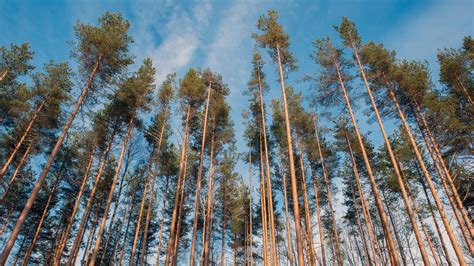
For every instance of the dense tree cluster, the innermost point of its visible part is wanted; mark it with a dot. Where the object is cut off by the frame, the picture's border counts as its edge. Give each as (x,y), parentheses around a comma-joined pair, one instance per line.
(122,171)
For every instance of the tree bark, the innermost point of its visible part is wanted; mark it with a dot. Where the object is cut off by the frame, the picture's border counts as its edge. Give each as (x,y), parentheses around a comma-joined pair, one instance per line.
(378,202)
(18,168)
(163,212)
(207,221)
(466,93)
(294,191)
(251,210)
(359,226)
(112,189)
(37,187)
(287,216)
(263,198)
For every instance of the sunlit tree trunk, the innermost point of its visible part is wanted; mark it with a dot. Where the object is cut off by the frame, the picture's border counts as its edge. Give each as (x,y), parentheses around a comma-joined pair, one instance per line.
(210,192)
(263,199)
(90,237)
(223,233)
(17,170)
(251,211)
(294,191)
(378,202)
(198,180)
(361,231)
(77,241)
(128,212)
(40,224)
(122,249)
(163,212)
(464,90)
(318,215)
(39,183)
(287,216)
(112,189)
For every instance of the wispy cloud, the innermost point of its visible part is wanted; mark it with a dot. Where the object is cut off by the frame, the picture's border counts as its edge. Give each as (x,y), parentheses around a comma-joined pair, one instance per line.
(169,34)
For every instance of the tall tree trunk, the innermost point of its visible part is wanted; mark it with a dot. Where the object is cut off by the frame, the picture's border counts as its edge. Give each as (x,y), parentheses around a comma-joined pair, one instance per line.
(20,249)
(77,241)
(7,221)
(128,212)
(40,224)
(142,207)
(267,172)
(90,238)
(427,176)
(37,187)
(17,170)
(454,190)
(23,137)
(294,191)
(251,210)
(359,226)
(365,211)
(328,190)
(318,215)
(152,191)
(391,154)
(112,189)
(70,220)
(4,74)
(122,249)
(223,233)
(287,216)
(210,193)
(178,188)
(198,180)
(163,212)
(263,199)
(466,93)
(378,202)
(309,224)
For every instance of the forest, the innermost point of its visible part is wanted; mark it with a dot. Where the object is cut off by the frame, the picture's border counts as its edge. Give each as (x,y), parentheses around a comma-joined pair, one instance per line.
(103,164)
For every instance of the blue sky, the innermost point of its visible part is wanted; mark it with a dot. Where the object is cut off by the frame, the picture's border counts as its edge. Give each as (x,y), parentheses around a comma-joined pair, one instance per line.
(216,34)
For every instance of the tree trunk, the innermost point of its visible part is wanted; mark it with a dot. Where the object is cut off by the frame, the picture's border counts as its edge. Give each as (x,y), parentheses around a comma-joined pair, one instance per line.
(398,171)
(294,191)
(318,213)
(3,75)
(70,221)
(365,211)
(287,216)
(198,184)
(466,93)
(309,224)
(128,212)
(40,224)
(427,176)
(223,234)
(207,221)
(263,206)
(77,241)
(23,137)
(328,189)
(142,206)
(378,202)
(112,189)
(163,212)
(7,221)
(454,190)
(177,192)
(152,191)
(18,168)
(267,172)
(251,210)
(122,249)
(36,189)
(91,236)
(359,226)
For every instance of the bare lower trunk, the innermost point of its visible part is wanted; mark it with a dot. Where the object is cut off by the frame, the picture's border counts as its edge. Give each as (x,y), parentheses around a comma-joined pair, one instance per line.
(128,212)
(90,238)
(39,183)
(318,214)
(251,211)
(466,93)
(122,249)
(294,191)
(223,236)
(163,212)
(378,202)
(287,216)
(207,221)
(263,206)
(17,170)
(359,226)
(111,192)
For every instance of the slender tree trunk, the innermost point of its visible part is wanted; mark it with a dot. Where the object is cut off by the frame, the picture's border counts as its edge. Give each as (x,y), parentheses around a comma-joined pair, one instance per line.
(287,216)
(391,154)
(427,176)
(40,224)
(23,241)
(142,207)
(435,220)
(77,241)
(152,191)
(223,233)
(7,221)
(178,188)
(423,226)
(365,211)
(23,137)
(294,191)
(128,212)
(263,198)
(3,75)
(73,253)
(378,202)
(251,210)
(36,189)
(70,220)
(267,172)
(198,184)
(309,224)
(90,238)
(122,249)
(328,189)
(112,189)
(207,221)
(163,212)
(359,226)
(466,217)
(464,90)
(318,214)
(17,170)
